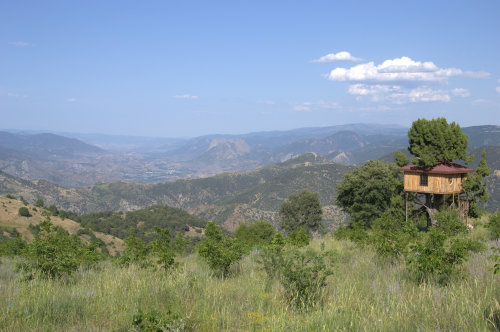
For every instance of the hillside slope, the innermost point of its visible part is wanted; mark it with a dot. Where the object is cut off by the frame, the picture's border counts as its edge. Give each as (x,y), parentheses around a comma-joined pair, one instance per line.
(10,218)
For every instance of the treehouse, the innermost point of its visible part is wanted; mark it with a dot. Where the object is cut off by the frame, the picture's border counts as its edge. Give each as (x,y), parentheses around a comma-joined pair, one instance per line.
(445,178)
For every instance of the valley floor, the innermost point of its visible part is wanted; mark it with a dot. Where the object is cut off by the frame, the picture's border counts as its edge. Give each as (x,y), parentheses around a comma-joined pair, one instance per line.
(363,294)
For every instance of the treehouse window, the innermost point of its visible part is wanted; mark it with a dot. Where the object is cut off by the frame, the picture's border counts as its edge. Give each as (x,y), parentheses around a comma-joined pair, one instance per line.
(424,180)
(450,180)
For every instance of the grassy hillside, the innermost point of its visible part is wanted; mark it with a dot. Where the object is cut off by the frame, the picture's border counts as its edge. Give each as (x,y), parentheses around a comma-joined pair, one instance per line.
(10,219)
(363,294)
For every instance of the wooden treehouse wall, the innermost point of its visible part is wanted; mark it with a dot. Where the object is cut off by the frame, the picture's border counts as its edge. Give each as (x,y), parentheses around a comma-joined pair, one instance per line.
(436,183)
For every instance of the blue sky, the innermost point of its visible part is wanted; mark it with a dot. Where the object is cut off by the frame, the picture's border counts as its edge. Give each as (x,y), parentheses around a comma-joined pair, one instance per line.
(189,68)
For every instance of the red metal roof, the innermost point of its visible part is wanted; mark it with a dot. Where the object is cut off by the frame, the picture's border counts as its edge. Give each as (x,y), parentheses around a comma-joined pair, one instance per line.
(441,168)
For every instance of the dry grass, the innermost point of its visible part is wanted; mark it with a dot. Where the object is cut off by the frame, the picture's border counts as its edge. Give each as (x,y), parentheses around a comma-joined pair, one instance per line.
(364,293)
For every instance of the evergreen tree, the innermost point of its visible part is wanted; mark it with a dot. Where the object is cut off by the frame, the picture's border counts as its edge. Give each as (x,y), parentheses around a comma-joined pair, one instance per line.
(476,187)
(434,141)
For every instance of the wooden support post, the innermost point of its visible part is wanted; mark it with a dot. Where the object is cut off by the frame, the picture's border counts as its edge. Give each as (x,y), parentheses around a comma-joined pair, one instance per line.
(406,205)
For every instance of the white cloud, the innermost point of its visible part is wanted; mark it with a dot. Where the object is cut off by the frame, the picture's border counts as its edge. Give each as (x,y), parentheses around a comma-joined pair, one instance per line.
(460,92)
(301,108)
(186,96)
(498,89)
(19,44)
(71,100)
(397,94)
(340,56)
(266,102)
(401,69)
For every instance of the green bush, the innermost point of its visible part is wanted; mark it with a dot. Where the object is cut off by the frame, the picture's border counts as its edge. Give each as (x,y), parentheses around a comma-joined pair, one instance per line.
(24,212)
(254,235)
(39,203)
(431,260)
(448,221)
(9,196)
(391,236)
(53,210)
(219,251)
(299,237)
(162,248)
(493,226)
(154,321)
(271,257)
(355,232)
(303,276)
(54,253)
(136,251)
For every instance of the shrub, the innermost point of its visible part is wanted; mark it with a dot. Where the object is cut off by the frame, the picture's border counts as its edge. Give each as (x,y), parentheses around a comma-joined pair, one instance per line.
(53,210)
(391,236)
(430,260)
(162,248)
(303,276)
(182,245)
(449,223)
(254,235)
(24,212)
(355,232)
(54,252)
(271,257)
(136,251)
(493,226)
(9,196)
(299,237)
(154,321)
(219,251)
(39,203)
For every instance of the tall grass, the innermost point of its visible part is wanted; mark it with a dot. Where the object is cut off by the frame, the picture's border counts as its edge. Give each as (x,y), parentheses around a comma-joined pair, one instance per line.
(364,293)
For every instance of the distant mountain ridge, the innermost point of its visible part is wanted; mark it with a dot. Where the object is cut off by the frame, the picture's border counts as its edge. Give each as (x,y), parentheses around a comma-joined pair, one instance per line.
(73,163)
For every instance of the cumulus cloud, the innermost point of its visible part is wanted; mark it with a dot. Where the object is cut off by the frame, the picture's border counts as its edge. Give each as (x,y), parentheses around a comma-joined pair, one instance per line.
(460,92)
(402,69)
(71,100)
(185,96)
(19,43)
(498,89)
(333,57)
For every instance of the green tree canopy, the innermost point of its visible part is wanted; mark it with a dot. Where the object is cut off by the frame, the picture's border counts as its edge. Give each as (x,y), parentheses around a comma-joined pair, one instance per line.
(476,187)
(301,210)
(366,192)
(436,140)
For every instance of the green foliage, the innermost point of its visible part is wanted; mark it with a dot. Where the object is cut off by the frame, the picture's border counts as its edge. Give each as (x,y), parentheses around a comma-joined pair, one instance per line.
(182,245)
(303,276)
(400,159)
(39,203)
(153,321)
(254,235)
(391,235)
(53,210)
(9,196)
(355,232)
(475,186)
(448,222)
(493,226)
(433,141)
(136,251)
(299,237)
(431,260)
(54,252)
(301,210)
(496,259)
(219,251)
(162,248)
(271,258)
(366,192)
(119,224)
(24,212)
(11,242)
